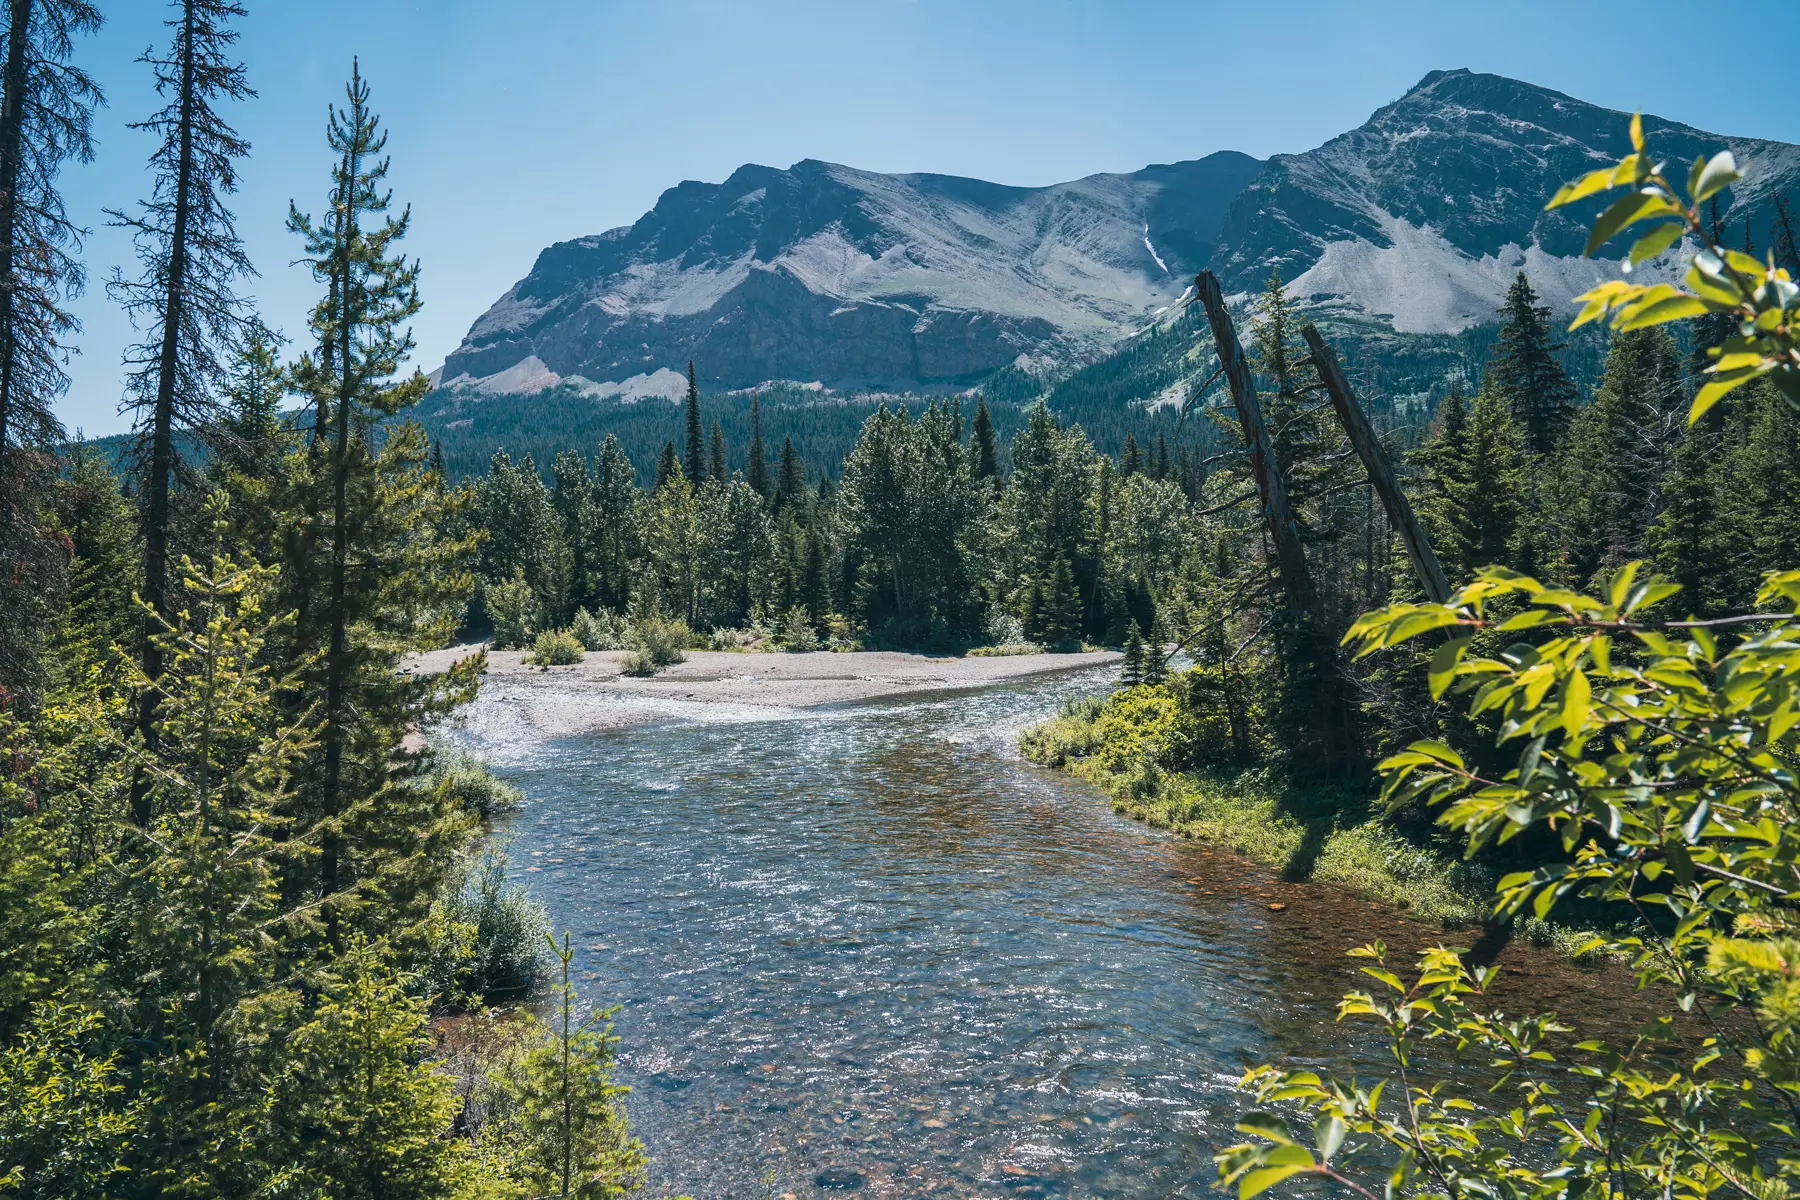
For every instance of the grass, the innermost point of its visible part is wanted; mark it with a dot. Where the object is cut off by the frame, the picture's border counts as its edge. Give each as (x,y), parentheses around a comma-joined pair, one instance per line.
(1325,834)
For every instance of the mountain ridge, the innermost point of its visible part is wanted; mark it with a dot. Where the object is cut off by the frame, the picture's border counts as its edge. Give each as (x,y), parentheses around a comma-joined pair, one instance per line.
(1418,219)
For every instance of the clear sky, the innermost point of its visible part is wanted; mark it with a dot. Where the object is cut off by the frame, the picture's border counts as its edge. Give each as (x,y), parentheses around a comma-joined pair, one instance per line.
(517,123)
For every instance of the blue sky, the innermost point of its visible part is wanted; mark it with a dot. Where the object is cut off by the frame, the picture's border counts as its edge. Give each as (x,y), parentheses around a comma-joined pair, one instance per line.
(520,123)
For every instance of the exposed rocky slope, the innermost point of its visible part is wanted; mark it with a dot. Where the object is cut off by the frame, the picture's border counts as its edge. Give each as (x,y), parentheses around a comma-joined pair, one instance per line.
(1425,213)
(824,272)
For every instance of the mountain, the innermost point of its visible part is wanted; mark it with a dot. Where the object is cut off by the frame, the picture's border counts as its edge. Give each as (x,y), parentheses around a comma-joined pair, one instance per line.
(1409,226)
(824,272)
(1424,214)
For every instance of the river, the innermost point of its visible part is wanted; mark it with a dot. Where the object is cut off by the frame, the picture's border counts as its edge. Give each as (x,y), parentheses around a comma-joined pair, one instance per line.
(869,949)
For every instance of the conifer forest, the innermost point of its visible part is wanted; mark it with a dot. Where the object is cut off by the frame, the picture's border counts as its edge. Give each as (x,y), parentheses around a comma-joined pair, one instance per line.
(1497,629)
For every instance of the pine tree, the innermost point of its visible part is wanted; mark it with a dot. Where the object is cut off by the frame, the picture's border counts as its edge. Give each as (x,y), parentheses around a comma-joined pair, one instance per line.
(1161,468)
(615,498)
(694,462)
(391,582)
(208,891)
(987,462)
(756,470)
(715,454)
(790,486)
(1129,458)
(1132,673)
(1525,371)
(46,106)
(1156,667)
(358,1109)
(666,464)
(192,260)
(558,1124)
(1060,615)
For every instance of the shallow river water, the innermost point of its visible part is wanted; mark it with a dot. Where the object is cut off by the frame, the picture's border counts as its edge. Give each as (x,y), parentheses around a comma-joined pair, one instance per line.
(869,949)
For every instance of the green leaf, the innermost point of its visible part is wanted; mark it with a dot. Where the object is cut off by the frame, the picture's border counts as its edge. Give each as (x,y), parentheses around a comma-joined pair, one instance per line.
(1444,661)
(1637,132)
(1719,386)
(1331,1133)
(1259,1181)
(1638,206)
(1719,172)
(1602,180)
(1268,1125)
(1660,312)
(1656,241)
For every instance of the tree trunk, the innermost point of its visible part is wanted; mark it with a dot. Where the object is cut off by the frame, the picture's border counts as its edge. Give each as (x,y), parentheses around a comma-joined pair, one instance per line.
(1271,482)
(162,421)
(1381,475)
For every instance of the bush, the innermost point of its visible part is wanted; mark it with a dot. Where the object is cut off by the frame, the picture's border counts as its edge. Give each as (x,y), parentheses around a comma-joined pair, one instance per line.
(470,781)
(658,642)
(607,631)
(514,608)
(750,637)
(797,633)
(556,648)
(487,939)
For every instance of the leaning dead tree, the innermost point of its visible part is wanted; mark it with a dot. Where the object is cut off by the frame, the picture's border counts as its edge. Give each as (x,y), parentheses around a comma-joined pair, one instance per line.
(1271,482)
(1381,474)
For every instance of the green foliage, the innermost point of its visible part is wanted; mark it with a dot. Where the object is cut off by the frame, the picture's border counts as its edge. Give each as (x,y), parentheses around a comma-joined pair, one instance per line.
(513,606)
(657,642)
(1132,670)
(488,939)
(556,1123)
(608,631)
(468,782)
(357,1109)
(797,633)
(67,1122)
(556,648)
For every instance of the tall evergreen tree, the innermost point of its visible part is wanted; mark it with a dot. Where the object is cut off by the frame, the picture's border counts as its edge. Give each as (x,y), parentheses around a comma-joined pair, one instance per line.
(790,483)
(756,469)
(1130,461)
(1161,468)
(987,459)
(694,461)
(666,464)
(192,261)
(390,582)
(1526,372)
(715,454)
(46,104)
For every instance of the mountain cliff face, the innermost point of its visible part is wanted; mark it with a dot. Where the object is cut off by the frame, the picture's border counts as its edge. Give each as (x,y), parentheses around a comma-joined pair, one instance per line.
(824,272)
(1425,213)
(1417,220)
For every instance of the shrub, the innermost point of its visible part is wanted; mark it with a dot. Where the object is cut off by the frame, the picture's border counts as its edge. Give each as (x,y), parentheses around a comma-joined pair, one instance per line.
(1135,726)
(797,633)
(487,938)
(556,648)
(607,631)
(514,608)
(470,782)
(750,637)
(658,642)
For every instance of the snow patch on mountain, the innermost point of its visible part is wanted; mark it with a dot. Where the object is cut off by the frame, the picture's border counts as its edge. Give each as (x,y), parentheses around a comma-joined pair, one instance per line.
(1421,283)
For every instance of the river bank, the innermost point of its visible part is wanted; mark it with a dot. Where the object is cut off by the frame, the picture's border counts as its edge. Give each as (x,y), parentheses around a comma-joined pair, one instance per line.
(1326,834)
(596,695)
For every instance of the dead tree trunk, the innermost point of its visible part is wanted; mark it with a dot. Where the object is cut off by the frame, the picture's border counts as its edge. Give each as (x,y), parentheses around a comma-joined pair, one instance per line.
(1271,482)
(1368,448)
